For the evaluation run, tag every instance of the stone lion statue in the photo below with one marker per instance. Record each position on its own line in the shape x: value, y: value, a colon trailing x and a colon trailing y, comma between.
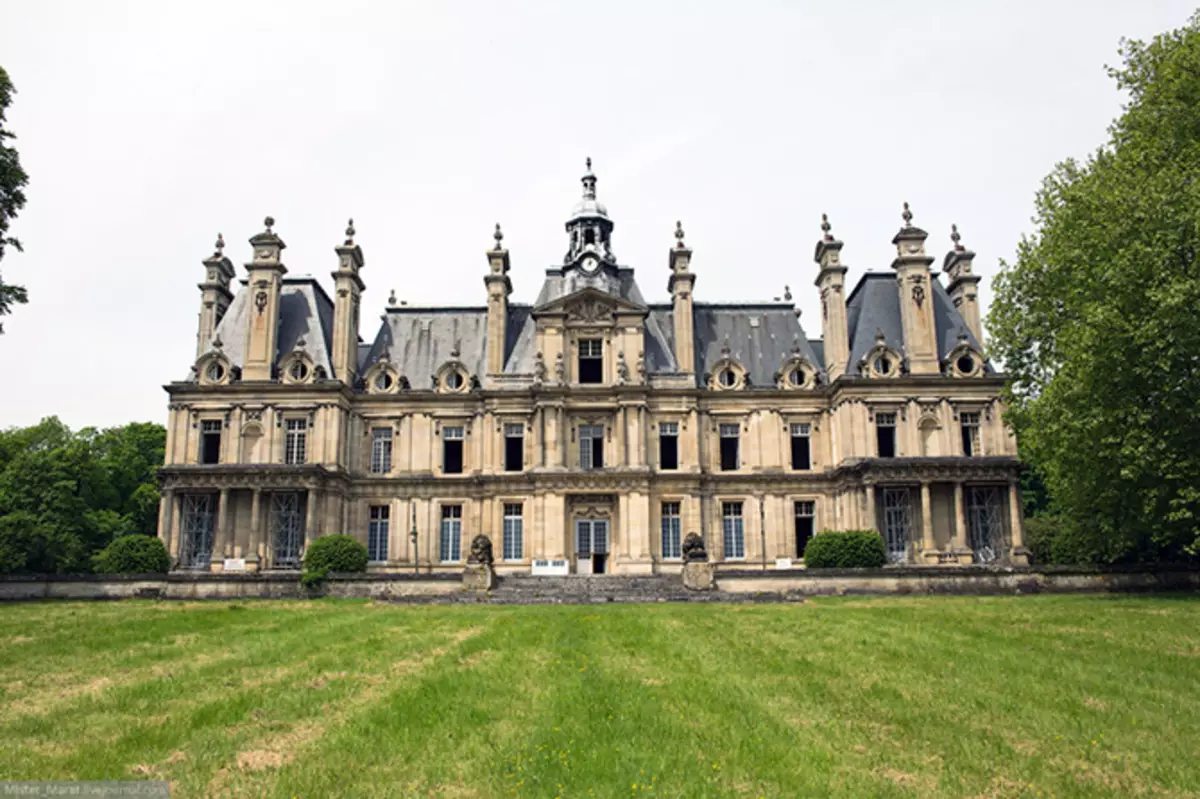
x: 481, y: 550
x: 693, y: 548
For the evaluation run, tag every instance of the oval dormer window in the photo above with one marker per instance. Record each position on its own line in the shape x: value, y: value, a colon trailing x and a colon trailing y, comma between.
x: 298, y: 371
x: 454, y: 381
x: 215, y: 372
x: 797, y: 377
x: 965, y: 364
x: 727, y: 378
x: 383, y: 381
x: 883, y: 365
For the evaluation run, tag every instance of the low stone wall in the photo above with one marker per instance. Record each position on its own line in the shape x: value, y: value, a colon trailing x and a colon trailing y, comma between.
x: 968, y: 580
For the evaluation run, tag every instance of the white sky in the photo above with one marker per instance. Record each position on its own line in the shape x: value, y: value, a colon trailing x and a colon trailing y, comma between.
x: 148, y: 127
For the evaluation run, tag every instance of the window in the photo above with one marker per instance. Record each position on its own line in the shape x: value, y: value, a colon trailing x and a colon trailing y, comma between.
x: 984, y: 521
x: 971, y: 439
x: 727, y: 378
x: 383, y: 381
x: 591, y: 446
x: 671, y: 537
x: 514, y: 447
x: 377, y: 533
x: 454, y: 380
x: 965, y: 364
x: 735, y: 534
x: 381, y: 450
x: 797, y: 376
x: 668, y: 445
x: 729, y: 447
x: 513, y: 547
x: 210, y: 441
x: 215, y: 372
x: 883, y: 365
x: 591, y: 361
x: 295, y: 440
x: 805, y: 513
x: 801, y: 447
x: 897, y: 522
x: 452, y: 449
x: 298, y: 370
x: 885, y: 434
x: 450, y: 546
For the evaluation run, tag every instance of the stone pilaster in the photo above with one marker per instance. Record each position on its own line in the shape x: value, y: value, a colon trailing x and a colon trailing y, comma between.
x: 265, y: 272
x: 349, y: 287
x: 916, y: 298
x: 681, y: 284
x: 964, y: 284
x: 499, y: 287
x: 214, y: 294
x: 831, y: 283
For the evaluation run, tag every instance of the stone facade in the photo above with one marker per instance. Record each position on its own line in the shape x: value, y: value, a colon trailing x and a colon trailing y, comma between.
x: 589, y: 431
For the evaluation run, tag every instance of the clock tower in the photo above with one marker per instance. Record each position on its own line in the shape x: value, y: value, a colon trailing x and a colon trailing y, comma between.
x: 589, y: 232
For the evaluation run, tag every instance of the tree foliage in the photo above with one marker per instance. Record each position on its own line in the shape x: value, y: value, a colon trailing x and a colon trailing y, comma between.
x: 64, y: 496
x: 12, y: 196
x: 133, y: 554
x: 1096, y: 321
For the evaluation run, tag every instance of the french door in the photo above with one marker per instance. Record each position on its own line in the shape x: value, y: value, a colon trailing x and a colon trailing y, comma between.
x: 591, y: 546
x: 287, y: 529
x: 197, y: 531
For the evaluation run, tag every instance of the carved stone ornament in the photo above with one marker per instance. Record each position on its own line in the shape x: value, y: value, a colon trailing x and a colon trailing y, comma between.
x: 918, y: 294
x: 591, y: 310
x: 693, y: 548
x: 560, y: 368
x: 260, y: 301
x: 622, y: 369
x: 481, y: 550
x: 539, y: 369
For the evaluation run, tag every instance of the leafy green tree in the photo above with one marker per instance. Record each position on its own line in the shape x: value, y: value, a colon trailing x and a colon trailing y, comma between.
x: 1096, y: 321
x: 12, y: 198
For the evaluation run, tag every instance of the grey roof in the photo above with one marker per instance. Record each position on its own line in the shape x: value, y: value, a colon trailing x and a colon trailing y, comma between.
x: 561, y: 283
x: 818, y: 347
x: 760, y: 338
x: 421, y: 340
x: 874, y: 305
x: 305, y: 311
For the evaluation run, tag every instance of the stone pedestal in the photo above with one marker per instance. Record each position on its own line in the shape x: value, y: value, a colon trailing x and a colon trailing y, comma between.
x: 1019, y: 556
x: 698, y: 576
x: 479, y: 577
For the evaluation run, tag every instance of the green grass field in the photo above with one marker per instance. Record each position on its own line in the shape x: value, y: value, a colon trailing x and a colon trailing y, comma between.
x: 981, y: 697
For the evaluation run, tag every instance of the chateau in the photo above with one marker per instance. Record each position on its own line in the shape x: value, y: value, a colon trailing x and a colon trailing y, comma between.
x: 591, y: 430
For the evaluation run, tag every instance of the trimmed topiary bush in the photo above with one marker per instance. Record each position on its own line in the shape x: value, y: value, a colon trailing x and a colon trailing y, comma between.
x: 852, y: 549
x: 332, y: 553
x: 133, y: 554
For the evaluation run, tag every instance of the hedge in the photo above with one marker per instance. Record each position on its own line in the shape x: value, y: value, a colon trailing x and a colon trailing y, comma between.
x: 133, y: 554
x: 851, y: 549
x: 332, y: 553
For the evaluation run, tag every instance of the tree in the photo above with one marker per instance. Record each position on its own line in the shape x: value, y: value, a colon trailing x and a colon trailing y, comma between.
x: 12, y: 198
x: 1096, y: 320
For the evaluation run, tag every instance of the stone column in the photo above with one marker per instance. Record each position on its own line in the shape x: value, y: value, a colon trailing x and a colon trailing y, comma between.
x: 959, y: 545
x: 176, y: 525
x: 255, y: 550
x: 166, y: 517
x: 928, y: 547
x: 1019, y: 554
x: 872, y: 519
x: 222, y: 543
x: 310, y: 518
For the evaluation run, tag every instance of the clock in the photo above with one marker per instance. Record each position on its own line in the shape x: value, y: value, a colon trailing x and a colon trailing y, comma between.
x: 589, y: 264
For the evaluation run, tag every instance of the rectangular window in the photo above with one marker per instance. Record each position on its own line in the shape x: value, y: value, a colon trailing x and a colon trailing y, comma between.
x: 805, y: 514
x: 897, y: 522
x: 591, y: 446
x: 885, y: 434
x: 377, y: 533
x: 381, y: 450
x: 801, y: 447
x: 450, y: 546
x: 591, y: 360
x: 210, y: 441
x: 971, y: 439
x: 514, y: 532
x: 729, y: 447
x: 452, y: 449
x: 735, y: 533
x: 514, y: 447
x: 671, y: 530
x: 296, y: 440
x: 668, y: 445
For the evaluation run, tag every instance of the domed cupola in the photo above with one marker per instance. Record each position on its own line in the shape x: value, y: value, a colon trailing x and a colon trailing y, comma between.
x: 589, y: 230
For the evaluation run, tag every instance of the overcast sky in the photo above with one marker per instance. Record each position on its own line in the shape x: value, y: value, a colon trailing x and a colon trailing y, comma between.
x: 148, y: 127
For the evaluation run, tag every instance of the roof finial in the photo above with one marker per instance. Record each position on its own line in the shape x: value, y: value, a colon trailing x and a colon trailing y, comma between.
x: 350, y: 233
x: 787, y: 293
x: 589, y: 182
x: 392, y: 298
x: 220, y: 246
x: 907, y: 215
x: 589, y: 163
x: 269, y: 222
x: 679, y: 234
x: 725, y: 346
x: 498, y: 236
x: 956, y: 238
x: 826, y: 227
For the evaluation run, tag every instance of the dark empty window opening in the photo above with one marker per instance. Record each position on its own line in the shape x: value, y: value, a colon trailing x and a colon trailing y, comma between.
x: 801, y: 449
x: 514, y: 447
x: 885, y: 434
x: 210, y: 441
x: 805, y: 514
x: 591, y: 446
x: 589, y: 236
x: 668, y: 445
x: 971, y: 440
x: 729, y: 447
x: 591, y: 361
x: 966, y: 364
x: 452, y: 450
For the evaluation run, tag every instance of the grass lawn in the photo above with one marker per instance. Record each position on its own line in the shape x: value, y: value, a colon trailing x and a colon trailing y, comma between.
x: 987, y: 697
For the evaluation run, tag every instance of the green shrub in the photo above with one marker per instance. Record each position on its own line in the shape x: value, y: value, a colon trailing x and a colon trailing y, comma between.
x: 133, y: 554
x: 852, y: 549
x: 332, y: 553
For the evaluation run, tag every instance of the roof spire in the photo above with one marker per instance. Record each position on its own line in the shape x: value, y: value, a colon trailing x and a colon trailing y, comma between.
x: 787, y: 293
x: 826, y: 227
x: 589, y: 182
x: 350, y: 233
x: 392, y: 299
x: 269, y: 222
x: 956, y: 238
x: 220, y: 246
x: 907, y: 215
x: 679, y: 235
x: 499, y: 237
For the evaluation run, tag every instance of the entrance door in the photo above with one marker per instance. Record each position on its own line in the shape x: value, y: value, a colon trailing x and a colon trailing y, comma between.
x: 591, y: 546
x: 287, y: 529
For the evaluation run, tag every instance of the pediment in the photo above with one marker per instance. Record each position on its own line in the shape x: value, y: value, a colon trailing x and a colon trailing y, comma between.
x: 590, y: 305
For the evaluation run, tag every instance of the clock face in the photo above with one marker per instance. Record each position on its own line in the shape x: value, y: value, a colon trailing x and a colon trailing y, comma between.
x: 589, y: 264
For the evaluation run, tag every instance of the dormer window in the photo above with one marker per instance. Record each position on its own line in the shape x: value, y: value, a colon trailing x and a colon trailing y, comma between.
x: 797, y: 377
x: 591, y: 360
x: 298, y: 371
x: 452, y: 377
x: 383, y: 381
x: 454, y: 381
x: 727, y: 378
x: 883, y: 365
x: 215, y: 372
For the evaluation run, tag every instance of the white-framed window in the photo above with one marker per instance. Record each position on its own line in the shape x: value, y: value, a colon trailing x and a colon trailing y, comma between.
x: 591, y: 446
x: 734, y: 530
x: 513, y: 545
x: 210, y: 441
x: 377, y: 533
x: 668, y: 445
x: 727, y: 378
x: 452, y: 449
x: 805, y: 516
x: 450, y: 545
x: 972, y: 440
x: 591, y: 360
x: 730, y: 457
x: 298, y: 371
x: 381, y: 450
x: 801, y: 446
x: 295, y: 441
x: 885, y: 434
x: 671, y: 531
